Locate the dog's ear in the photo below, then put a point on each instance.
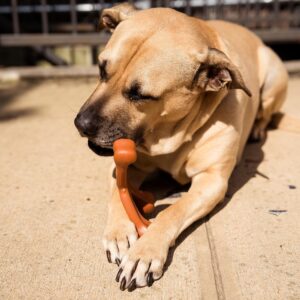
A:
(217, 71)
(111, 17)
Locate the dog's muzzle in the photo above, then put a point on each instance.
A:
(101, 133)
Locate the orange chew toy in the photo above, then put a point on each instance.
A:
(124, 155)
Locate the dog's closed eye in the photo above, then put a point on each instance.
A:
(134, 93)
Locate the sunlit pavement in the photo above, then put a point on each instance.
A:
(54, 194)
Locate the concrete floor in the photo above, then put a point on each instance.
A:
(53, 199)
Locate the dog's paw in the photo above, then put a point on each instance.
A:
(118, 237)
(259, 131)
(143, 263)
(258, 135)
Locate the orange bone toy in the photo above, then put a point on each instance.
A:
(124, 155)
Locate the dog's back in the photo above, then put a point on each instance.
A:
(262, 70)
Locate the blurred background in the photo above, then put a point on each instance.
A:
(65, 32)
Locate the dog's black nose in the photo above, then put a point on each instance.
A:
(87, 124)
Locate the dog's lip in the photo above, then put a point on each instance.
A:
(103, 150)
(101, 142)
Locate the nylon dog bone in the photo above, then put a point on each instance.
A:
(124, 155)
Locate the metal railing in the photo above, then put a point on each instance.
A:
(72, 22)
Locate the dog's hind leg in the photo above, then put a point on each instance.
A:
(273, 91)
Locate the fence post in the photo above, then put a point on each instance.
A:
(45, 25)
(15, 17)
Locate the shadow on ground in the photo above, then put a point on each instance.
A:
(9, 94)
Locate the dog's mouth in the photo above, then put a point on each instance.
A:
(104, 147)
(101, 150)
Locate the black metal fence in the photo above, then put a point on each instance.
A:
(72, 22)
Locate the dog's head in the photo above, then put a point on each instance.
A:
(153, 71)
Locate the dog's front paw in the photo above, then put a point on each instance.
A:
(143, 263)
(118, 237)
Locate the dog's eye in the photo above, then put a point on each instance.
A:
(102, 70)
(134, 94)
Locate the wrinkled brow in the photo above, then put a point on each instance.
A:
(102, 70)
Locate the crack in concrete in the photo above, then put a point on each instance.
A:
(215, 262)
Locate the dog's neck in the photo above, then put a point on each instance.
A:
(168, 137)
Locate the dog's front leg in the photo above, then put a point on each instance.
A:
(120, 233)
(144, 262)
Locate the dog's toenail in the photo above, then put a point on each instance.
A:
(132, 286)
(118, 261)
(150, 279)
(108, 256)
(123, 284)
(119, 274)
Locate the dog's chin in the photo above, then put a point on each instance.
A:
(99, 150)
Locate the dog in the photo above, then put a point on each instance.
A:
(189, 93)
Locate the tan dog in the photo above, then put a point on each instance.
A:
(188, 92)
